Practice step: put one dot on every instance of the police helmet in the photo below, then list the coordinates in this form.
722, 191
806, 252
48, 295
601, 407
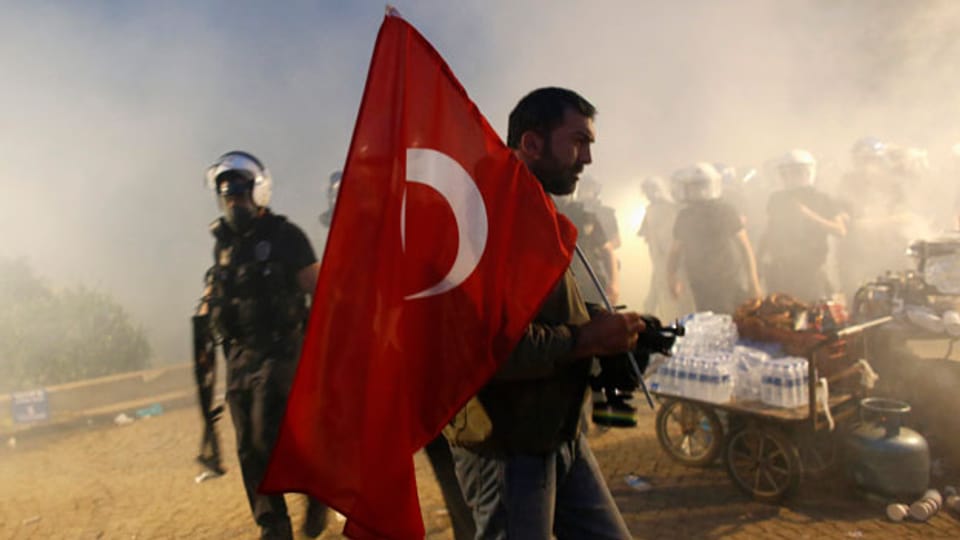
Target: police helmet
797, 168
655, 188
700, 182
236, 172
868, 148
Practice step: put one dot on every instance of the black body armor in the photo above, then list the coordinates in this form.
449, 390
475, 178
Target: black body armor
255, 299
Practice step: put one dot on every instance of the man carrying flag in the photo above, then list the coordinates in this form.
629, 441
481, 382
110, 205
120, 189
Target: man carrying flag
523, 463
442, 248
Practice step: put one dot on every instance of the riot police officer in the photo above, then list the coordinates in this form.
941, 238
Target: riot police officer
878, 205
800, 220
257, 292
601, 243
710, 244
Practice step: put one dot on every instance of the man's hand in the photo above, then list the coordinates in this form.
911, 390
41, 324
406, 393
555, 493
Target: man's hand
609, 333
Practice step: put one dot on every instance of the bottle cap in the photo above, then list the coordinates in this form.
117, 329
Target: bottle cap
921, 510
896, 512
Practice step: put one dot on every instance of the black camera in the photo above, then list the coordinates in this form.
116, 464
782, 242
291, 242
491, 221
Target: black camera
618, 378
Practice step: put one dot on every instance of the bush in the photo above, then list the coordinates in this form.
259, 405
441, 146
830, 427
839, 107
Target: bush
49, 337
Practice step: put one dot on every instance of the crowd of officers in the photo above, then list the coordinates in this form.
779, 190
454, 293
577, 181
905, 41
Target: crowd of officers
717, 236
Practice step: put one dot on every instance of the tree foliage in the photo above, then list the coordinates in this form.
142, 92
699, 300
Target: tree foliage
54, 336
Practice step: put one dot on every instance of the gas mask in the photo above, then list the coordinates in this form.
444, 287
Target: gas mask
239, 218
237, 187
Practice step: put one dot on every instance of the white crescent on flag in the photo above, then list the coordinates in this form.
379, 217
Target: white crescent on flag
457, 187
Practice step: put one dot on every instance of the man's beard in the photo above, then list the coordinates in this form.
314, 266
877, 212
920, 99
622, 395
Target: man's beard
556, 178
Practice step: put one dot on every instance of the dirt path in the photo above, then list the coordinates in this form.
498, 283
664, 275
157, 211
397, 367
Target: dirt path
137, 482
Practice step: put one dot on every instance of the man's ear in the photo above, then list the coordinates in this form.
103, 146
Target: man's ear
531, 144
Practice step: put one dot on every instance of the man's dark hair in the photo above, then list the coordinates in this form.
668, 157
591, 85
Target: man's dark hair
542, 110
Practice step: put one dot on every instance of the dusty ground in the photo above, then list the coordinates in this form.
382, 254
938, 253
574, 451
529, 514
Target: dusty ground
137, 481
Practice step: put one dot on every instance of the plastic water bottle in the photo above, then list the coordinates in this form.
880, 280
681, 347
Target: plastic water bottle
690, 382
779, 392
663, 378
682, 388
674, 376
748, 370
706, 378
803, 377
718, 391
726, 384
773, 392
670, 378
702, 390
766, 386
720, 386
723, 383
655, 385
732, 335
787, 376
785, 382
693, 378
742, 376
790, 385
796, 397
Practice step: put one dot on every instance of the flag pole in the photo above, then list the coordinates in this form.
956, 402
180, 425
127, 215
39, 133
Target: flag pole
609, 306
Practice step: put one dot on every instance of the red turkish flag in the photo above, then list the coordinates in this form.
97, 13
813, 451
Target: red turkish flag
442, 248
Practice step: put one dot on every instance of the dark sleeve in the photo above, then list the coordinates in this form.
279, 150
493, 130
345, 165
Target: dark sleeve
546, 346
541, 350
608, 219
826, 206
775, 203
599, 236
300, 251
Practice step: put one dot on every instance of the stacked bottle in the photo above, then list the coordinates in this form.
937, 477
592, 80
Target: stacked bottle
785, 382
749, 364
701, 365
716, 379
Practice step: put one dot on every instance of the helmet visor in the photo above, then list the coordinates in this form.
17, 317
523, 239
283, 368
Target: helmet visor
238, 163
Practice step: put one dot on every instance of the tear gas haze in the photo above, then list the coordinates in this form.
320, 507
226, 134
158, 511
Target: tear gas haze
113, 111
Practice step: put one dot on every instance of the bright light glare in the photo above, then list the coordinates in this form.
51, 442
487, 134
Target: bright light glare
635, 217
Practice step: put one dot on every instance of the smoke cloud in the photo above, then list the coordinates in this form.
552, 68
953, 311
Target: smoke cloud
112, 111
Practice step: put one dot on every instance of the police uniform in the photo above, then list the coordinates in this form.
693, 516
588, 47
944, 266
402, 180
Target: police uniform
259, 311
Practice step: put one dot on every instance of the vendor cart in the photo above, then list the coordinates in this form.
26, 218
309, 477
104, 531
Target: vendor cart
766, 449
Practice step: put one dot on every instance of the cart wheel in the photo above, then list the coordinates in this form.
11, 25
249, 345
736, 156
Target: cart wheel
690, 434
763, 463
